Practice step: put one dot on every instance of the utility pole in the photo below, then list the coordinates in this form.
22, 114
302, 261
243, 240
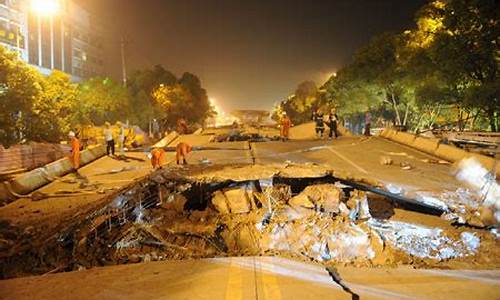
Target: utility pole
51, 20
39, 22
124, 67
63, 58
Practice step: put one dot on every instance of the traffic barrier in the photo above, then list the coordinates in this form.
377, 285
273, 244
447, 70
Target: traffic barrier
343, 131
166, 140
450, 153
30, 181
434, 147
384, 132
389, 133
403, 138
427, 145
488, 162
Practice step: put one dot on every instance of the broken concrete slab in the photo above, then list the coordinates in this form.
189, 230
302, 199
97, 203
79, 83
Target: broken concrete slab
323, 196
238, 200
219, 201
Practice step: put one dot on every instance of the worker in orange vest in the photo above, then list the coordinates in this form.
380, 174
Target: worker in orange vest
182, 150
158, 158
75, 150
285, 125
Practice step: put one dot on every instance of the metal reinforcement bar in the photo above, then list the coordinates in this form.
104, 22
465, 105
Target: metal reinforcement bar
408, 203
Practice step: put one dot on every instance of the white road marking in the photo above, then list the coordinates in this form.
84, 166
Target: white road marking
348, 160
462, 274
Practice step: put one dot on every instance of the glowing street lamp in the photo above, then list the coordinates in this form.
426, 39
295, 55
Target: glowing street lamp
46, 8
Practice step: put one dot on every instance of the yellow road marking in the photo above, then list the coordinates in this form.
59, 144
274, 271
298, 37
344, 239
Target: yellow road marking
270, 285
234, 289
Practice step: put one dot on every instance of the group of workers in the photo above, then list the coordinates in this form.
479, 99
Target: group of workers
332, 123
318, 119
158, 154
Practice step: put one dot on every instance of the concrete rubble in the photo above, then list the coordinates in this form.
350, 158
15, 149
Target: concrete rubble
168, 216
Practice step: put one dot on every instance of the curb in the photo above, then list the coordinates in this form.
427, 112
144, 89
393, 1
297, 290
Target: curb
434, 147
32, 180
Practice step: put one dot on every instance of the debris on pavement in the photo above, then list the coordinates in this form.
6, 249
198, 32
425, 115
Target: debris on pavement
484, 191
386, 160
170, 217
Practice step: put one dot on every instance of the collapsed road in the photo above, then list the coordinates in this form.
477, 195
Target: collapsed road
326, 203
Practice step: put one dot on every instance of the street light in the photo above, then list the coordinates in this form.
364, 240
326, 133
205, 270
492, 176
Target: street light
46, 8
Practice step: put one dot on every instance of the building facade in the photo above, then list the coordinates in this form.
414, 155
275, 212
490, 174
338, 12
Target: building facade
13, 27
67, 39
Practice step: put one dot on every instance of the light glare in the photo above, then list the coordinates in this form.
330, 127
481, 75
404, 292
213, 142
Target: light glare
45, 7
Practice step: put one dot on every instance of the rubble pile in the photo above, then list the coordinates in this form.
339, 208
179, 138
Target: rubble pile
161, 219
237, 135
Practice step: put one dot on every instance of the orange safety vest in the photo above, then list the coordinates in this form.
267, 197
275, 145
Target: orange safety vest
158, 158
182, 150
285, 126
75, 153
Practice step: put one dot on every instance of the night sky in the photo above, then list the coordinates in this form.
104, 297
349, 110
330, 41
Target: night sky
248, 54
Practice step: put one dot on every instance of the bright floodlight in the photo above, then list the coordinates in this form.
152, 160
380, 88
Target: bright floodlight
45, 7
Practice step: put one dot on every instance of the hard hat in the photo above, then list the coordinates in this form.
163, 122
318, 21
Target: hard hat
71, 134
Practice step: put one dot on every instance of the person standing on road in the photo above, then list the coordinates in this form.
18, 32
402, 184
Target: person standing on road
182, 127
285, 125
320, 124
368, 123
108, 136
332, 123
75, 150
121, 138
156, 129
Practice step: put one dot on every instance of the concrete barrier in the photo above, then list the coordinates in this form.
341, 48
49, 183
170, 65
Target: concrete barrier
30, 181
442, 151
343, 131
488, 162
403, 138
450, 153
384, 132
390, 133
167, 139
425, 144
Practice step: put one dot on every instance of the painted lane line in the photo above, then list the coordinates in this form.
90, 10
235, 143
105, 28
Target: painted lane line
464, 275
270, 283
234, 289
348, 160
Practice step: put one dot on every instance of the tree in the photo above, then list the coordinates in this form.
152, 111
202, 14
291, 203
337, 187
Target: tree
20, 85
201, 108
299, 106
464, 49
141, 85
51, 112
99, 100
379, 64
157, 93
